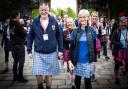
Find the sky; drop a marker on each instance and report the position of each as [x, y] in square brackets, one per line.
[63, 4]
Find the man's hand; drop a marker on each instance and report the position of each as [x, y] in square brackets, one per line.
[71, 66]
[30, 55]
[60, 55]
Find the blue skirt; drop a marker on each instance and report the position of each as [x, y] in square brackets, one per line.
[45, 64]
[84, 70]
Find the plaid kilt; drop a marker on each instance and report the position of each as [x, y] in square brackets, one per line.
[122, 55]
[45, 64]
[66, 55]
[84, 70]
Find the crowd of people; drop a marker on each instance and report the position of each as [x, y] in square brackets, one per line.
[76, 42]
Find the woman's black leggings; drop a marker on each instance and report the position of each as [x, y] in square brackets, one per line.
[117, 65]
[87, 82]
[6, 55]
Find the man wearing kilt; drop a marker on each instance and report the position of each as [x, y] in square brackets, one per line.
[47, 39]
[82, 52]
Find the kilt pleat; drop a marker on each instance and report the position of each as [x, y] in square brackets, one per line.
[84, 70]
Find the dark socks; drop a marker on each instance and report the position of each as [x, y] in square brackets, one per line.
[88, 83]
[77, 82]
[48, 87]
[40, 86]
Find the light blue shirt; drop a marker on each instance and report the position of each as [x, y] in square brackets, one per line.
[124, 34]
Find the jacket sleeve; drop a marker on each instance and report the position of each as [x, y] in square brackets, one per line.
[115, 39]
[30, 39]
[20, 31]
[3, 39]
[71, 50]
[71, 45]
[59, 37]
[95, 37]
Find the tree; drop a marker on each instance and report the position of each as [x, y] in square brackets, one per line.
[70, 12]
[60, 12]
[117, 6]
[35, 12]
[91, 10]
[53, 11]
[7, 7]
[57, 12]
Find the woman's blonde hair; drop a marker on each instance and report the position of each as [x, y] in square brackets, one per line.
[83, 12]
[70, 19]
[94, 13]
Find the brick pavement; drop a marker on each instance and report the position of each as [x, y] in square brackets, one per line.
[104, 76]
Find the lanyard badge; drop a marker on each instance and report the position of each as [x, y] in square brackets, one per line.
[45, 37]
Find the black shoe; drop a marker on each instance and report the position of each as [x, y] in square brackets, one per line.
[98, 56]
[117, 81]
[124, 72]
[73, 87]
[107, 58]
[5, 71]
[23, 80]
[40, 86]
[14, 79]
[48, 87]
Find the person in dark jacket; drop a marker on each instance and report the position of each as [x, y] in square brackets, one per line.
[94, 24]
[17, 37]
[66, 37]
[48, 45]
[119, 42]
[6, 43]
[103, 35]
[82, 52]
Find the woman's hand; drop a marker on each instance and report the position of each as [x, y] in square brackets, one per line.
[71, 66]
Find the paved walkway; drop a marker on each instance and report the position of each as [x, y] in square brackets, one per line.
[104, 76]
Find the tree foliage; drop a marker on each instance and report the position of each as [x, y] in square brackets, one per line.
[91, 10]
[61, 12]
[117, 6]
[35, 12]
[70, 12]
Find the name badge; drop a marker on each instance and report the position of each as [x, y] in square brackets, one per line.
[45, 37]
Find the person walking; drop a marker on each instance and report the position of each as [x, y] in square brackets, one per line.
[82, 52]
[119, 42]
[6, 43]
[94, 24]
[48, 46]
[17, 37]
[104, 37]
[66, 39]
